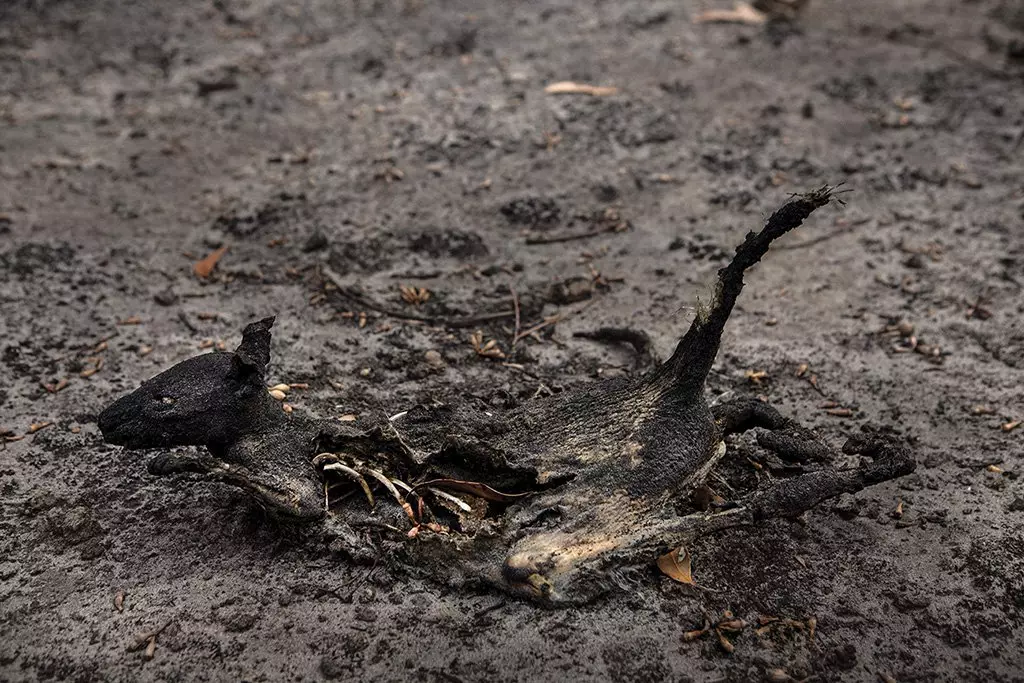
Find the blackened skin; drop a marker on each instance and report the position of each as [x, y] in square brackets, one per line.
[218, 400]
[588, 481]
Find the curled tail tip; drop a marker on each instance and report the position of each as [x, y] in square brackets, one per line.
[824, 194]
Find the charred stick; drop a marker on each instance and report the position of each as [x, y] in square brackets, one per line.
[365, 302]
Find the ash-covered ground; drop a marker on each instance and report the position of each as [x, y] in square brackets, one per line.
[412, 144]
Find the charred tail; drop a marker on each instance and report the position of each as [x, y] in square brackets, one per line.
[694, 355]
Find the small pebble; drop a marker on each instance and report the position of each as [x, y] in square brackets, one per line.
[166, 298]
[315, 242]
[213, 239]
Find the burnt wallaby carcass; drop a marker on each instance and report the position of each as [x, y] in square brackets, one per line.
[547, 500]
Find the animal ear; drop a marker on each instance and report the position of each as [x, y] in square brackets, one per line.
[253, 354]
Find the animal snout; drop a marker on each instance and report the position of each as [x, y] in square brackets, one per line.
[111, 418]
[116, 420]
[523, 575]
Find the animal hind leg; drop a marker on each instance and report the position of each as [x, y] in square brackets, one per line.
[743, 414]
[646, 357]
[890, 459]
[784, 436]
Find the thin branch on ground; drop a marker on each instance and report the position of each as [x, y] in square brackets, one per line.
[365, 302]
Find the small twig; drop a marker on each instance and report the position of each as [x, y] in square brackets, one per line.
[487, 610]
[558, 317]
[553, 319]
[365, 302]
[515, 305]
[956, 55]
[993, 71]
[554, 239]
[148, 640]
[183, 317]
[814, 240]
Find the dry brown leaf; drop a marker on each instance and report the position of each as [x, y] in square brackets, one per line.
[731, 624]
[573, 88]
[54, 388]
[203, 268]
[676, 566]
[742, 13]
[724, 642]
[840, 412]
[690, 636]
[490, 349]
[414, 295]
[756, 376]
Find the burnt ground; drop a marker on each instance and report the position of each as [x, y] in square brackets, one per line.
[411, 143]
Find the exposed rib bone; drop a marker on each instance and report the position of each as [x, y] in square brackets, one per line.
[324, 458]
[462, 505]
[474, 488]
[391, 488]
[402, 485]
[354, 476]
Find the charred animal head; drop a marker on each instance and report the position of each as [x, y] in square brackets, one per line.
[219, 400]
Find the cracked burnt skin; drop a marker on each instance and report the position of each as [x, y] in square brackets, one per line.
[548, 501]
